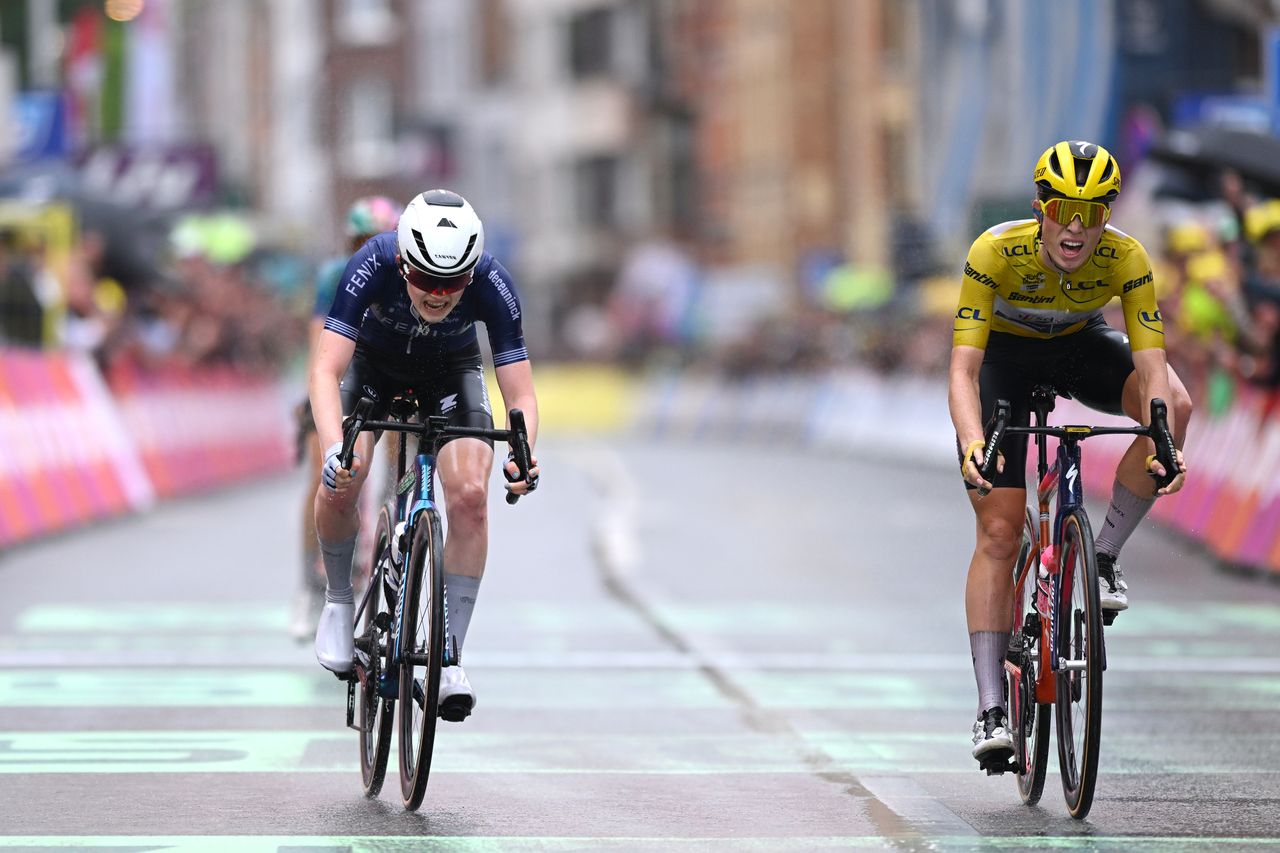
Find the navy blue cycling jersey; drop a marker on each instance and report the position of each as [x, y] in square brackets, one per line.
[372, 308]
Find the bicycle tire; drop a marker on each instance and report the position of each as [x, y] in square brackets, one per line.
[1029, 718]
[422, 636]
[376, 713]
[1079, 692]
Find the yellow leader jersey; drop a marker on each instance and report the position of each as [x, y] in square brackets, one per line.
[1006, 288]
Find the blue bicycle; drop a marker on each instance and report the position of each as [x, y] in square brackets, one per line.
[401, 634]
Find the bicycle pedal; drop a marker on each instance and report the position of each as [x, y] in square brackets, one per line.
[998, 762]
[455, 709]
[1109, 616]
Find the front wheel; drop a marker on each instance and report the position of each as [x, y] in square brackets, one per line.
[1081, 656]
[376, 711]
[421, 644]
[1030, 719]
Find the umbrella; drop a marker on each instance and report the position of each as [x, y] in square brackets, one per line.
[133, 238]
[1206, 151]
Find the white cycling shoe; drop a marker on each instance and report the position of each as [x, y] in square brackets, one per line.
[335, 640]
[456, 696]
[992, 738]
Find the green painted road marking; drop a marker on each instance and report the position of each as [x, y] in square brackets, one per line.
[540, 617]
[536, 754]
[172, 617]
[171, 752]
[1199, 619]
[152, 688]
[336, 751]
[395, 844]
[587, 689]
[537, 619]
[313, 687]
[142, 642]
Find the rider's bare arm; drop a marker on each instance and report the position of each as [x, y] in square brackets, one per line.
[515, 381]
[333, 354]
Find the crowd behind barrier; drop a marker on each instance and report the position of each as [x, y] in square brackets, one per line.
[127, 379]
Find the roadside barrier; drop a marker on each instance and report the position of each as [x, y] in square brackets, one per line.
[76, 448]
[1231, 501]
[197, 429]
[66, 458]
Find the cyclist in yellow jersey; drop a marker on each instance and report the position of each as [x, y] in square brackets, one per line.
[1030, 313]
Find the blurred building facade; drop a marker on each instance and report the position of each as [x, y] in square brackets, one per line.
[773, 140]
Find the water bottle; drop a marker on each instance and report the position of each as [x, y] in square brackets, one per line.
[1044, 589]
[396, 538]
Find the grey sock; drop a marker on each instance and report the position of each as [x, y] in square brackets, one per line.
[988, 648]
[337, 565]
[461, 592]
[1123, 517]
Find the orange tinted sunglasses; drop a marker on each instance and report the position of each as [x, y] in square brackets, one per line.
[1063, 210]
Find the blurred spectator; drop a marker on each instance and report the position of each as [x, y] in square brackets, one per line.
[95, 304]
[21, 311]
[650, 304]
[1262, 292]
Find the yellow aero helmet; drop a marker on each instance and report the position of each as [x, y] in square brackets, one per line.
[1078, 169]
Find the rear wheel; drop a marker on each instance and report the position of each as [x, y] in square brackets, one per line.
[377, 712]
[1080, 642]
[1029, 719]
[422, 653]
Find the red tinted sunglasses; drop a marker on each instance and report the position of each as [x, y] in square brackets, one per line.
[434, 283]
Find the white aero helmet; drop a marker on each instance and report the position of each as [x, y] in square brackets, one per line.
[439, 234]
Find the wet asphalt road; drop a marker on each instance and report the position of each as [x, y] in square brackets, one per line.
[675, 648]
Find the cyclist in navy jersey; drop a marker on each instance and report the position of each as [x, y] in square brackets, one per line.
[405, 317]
[365, 218]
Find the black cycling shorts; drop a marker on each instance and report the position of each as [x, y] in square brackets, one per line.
[454, 387]
[1090, 365]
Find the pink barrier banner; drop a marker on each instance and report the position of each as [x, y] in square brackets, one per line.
[1231, 501]
[196, 429]
[65, 456]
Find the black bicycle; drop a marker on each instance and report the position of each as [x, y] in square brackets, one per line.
[401, 633]
[1057, 652]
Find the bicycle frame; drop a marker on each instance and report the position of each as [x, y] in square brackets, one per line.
[1068, 493]
[1048, 599]
[415, 494]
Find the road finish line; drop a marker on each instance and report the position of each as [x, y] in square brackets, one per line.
[507, 844]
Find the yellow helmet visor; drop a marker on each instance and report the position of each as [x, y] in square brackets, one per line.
[1063, 210]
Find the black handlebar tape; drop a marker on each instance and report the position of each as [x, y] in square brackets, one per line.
[995, 434]
[1166, 450]
[519, 441]
[351, 428]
